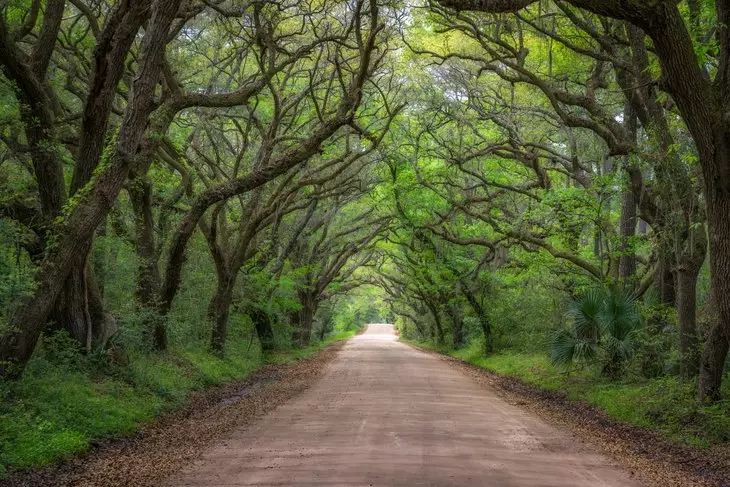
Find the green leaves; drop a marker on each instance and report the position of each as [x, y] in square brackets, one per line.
[604, 328]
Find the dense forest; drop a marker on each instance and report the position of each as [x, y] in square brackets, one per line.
[189, 188]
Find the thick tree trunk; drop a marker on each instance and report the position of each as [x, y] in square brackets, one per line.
[486, 327]
[664, 281]
[264, 330]
[689, 264]
[712, 364]
[218, 313]
[99, 259]
[716, 347]
[79, 308]
[438, 329]
[488, 346]
[306, 318]
[148, 273]
[686, 313]
[627, 259]
[457, 328]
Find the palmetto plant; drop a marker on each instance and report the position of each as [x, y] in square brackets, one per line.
[604, 324]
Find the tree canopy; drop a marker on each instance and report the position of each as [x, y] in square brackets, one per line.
[474, 170]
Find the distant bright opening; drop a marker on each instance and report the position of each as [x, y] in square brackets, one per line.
[378, 331]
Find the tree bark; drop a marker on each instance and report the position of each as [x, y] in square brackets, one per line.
[717, 343]
[712, 364]
[148, 273]
[438, 329]
[306, 318]
[75, 232]
[79, 308]
[686, 313]
[627, 258]
[457, 328]
[488, 346]
[264, 330]
[218, 313]
[664, 281]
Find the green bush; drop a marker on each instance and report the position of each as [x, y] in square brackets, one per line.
[604, 328]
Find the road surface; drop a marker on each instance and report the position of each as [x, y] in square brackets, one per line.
[385, 414]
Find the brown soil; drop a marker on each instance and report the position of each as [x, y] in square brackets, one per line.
[377, 412]
[387, 414]
[649, 456]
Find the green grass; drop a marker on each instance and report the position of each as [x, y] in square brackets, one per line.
[666, 404]
[63, 404]
[288, 355]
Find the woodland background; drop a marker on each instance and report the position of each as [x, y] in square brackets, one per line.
[191, 189]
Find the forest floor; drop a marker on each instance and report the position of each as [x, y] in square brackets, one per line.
[375, 411]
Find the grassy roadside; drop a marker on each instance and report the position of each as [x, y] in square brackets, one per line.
[65, 402]
[666, 404]
[283, 356]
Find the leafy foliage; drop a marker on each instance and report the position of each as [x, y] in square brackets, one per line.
[604, 327]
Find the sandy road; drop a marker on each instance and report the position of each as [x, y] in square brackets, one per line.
[386, 414]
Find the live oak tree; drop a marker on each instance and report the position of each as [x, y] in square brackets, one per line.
[702, 99]
[470, 160]
[339, 241]
[669, 203]
[69, 235]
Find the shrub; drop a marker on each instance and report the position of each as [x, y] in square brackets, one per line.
[605, 323]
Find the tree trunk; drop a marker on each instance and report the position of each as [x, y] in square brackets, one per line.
[627, 259]
[264, 331]
[686, 313]
[712, 364]
[99, 259]
[148, 273]
[79, 308]
[488, 346]
[218, 313]
[438, 329]
[664, 281]
[306, 318]
[716, 347]
[457, 328]
[486, 327]
[689, 264]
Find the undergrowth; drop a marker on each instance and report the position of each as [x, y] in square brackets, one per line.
[66, 401]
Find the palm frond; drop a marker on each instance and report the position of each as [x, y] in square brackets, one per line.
[562, 347]
[604, 326]
[585, 313]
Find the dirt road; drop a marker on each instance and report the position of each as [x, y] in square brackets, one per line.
[387, 414]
